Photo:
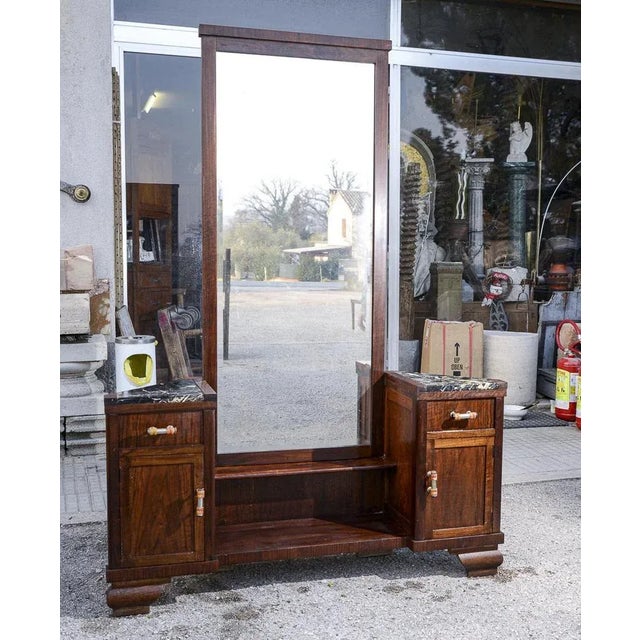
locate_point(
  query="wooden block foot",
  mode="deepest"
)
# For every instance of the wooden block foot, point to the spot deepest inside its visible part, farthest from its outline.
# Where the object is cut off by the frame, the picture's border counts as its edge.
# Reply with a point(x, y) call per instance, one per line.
point(134, 598)
point(480, 563)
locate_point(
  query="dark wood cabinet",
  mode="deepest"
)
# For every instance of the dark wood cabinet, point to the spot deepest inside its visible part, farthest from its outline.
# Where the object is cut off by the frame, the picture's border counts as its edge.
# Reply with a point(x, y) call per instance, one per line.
point(174, 511)
point(464, 474)
point(160, 483)
point(158, 494)
point(445, 435)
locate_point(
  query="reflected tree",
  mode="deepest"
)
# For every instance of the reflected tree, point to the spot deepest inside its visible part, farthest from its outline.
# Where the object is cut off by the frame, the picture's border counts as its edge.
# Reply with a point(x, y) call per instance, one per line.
point(256, 248)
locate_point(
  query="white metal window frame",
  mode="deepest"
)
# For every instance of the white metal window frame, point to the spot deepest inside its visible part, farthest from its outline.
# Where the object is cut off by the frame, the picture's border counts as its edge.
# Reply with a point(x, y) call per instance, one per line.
point(133, 37)
point(130, 37)
point(435, 59)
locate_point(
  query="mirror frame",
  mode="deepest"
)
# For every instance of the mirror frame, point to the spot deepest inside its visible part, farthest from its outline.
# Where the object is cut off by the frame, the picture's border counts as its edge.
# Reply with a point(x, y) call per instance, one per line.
point(301, 45)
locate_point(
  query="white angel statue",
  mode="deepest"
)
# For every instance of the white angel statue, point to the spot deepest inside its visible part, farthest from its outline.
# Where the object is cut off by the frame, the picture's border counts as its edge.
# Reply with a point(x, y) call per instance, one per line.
point(519, 141)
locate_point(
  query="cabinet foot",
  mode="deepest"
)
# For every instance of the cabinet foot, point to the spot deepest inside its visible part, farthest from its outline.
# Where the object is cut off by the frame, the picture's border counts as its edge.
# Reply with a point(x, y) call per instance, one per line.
point(479, 563)
point(133, 598)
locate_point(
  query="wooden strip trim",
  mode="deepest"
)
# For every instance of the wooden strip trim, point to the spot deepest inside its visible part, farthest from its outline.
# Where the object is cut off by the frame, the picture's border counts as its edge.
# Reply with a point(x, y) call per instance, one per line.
point(457, 544)
point(272, 35)
point(302, 468)
point(400, 399)
point(209, 215)
point(127, 574)
point(288, 456)
point(449, 439)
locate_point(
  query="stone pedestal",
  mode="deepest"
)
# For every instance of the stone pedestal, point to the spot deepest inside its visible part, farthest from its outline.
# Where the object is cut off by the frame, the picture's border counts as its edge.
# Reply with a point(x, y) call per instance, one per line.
point(446, 281)
point(517, 172)
point(477, 169)
point(82, 417)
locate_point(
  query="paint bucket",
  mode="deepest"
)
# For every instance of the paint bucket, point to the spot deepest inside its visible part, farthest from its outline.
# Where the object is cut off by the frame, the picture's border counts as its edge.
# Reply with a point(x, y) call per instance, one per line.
point(135, 362)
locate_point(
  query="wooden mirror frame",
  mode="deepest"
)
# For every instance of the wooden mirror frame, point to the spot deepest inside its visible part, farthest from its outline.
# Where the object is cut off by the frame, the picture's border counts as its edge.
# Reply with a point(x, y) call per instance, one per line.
point(300, 45)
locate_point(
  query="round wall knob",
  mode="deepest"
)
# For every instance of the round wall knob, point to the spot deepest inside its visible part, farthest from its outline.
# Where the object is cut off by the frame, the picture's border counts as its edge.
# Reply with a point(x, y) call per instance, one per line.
point(78, 192)
point(81, 193)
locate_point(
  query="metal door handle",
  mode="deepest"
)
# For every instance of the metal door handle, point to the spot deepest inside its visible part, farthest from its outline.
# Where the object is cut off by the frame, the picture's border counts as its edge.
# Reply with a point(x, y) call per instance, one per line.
point(466, 415)
point(162, 431)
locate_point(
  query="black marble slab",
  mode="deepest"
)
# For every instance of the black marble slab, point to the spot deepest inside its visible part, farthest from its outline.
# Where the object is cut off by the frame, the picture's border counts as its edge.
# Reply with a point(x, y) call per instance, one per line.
point(174, 391)
point(436, 382)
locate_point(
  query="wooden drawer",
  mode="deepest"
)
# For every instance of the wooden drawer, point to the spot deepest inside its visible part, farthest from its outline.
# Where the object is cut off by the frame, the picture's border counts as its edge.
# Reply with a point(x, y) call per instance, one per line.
point(147, 305)
point(151, 277)
point(439, 414)
point(188, 429)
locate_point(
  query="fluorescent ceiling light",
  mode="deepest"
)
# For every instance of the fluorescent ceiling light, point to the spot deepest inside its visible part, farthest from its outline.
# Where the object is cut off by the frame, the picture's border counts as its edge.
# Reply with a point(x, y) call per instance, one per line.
point(149, 103)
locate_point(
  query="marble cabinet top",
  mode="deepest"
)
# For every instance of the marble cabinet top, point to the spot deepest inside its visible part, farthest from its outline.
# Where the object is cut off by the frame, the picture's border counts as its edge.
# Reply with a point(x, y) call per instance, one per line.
point(436, 382)
point(174, 391)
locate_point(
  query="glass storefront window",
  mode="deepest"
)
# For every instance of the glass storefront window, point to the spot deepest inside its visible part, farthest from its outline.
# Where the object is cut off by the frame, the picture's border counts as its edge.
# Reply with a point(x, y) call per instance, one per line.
point(529, 29)
point(359, 18)
point(490, 169)
point(163, 178)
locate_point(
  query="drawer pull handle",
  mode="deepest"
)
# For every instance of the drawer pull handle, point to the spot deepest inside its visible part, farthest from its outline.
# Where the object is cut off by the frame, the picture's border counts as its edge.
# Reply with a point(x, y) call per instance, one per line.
point(467, 415)
point(200, 503)
point(164, 431)
point(432, 484)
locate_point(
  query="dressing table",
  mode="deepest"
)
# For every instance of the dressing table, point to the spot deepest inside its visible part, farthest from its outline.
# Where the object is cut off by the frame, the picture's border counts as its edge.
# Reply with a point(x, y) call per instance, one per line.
point(375, 460)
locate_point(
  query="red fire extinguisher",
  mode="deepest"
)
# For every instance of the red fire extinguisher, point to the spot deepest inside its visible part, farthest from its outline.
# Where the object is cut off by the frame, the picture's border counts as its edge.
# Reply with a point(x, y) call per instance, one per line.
point(579, 401)
point(568, 379)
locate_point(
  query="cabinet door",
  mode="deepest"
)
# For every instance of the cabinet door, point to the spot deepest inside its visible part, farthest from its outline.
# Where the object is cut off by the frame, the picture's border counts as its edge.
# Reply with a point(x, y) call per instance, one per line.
point(159, 506)
point(463, 505)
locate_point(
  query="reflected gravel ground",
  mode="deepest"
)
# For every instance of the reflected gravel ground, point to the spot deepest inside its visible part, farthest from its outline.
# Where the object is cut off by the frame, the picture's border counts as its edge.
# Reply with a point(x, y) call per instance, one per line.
point(290, 379)
point(424, 596)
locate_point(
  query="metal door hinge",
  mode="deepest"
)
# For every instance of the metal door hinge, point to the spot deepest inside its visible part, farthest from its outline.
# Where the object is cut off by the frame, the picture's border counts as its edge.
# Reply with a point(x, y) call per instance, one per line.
point(432, 484)
point(200, 503)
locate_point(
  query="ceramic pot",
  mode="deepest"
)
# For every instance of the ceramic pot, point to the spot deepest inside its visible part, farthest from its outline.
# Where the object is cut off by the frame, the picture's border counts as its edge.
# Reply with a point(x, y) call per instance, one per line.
point(559, 277)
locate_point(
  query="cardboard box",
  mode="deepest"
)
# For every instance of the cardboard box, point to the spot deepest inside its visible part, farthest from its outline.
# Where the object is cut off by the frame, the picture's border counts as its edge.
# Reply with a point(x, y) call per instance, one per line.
point(452, 348)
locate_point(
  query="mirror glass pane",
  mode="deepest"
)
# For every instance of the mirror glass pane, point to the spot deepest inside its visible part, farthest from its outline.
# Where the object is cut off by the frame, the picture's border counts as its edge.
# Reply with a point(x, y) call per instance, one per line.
point(295, 180)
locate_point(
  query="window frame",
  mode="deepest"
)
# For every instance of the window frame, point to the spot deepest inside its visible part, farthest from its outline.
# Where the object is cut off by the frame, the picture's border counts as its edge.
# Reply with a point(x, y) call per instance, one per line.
point(129, 37)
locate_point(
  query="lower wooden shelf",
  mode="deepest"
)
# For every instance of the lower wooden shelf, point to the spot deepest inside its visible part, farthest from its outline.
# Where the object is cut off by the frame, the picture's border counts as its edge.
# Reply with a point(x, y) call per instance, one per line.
point(303, 538)
point(301, 468)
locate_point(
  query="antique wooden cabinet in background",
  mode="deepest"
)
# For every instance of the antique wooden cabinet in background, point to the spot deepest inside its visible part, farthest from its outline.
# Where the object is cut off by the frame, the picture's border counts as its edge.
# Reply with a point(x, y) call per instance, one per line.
point(418, 461)
point(152, 220)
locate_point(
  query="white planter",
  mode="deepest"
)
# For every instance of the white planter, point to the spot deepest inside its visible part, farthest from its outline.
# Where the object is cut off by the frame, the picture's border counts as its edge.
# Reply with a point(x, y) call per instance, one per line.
point(512, 356)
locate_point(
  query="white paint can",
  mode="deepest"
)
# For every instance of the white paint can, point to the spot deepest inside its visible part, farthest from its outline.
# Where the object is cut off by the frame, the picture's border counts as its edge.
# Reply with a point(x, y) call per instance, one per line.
point(135, 362)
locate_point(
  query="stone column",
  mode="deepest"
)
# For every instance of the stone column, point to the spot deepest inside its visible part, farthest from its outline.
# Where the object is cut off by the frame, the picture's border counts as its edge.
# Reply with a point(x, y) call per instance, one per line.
point(82, 417)
point(477, 169)
point(517, 172)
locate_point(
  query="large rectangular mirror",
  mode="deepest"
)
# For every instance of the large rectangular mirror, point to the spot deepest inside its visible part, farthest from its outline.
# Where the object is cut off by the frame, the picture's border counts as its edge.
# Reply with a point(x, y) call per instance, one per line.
point(294, 184)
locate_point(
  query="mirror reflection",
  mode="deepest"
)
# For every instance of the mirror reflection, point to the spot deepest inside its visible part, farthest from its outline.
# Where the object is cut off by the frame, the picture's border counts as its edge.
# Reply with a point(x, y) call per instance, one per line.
point(161, 241)
point(295, 181)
